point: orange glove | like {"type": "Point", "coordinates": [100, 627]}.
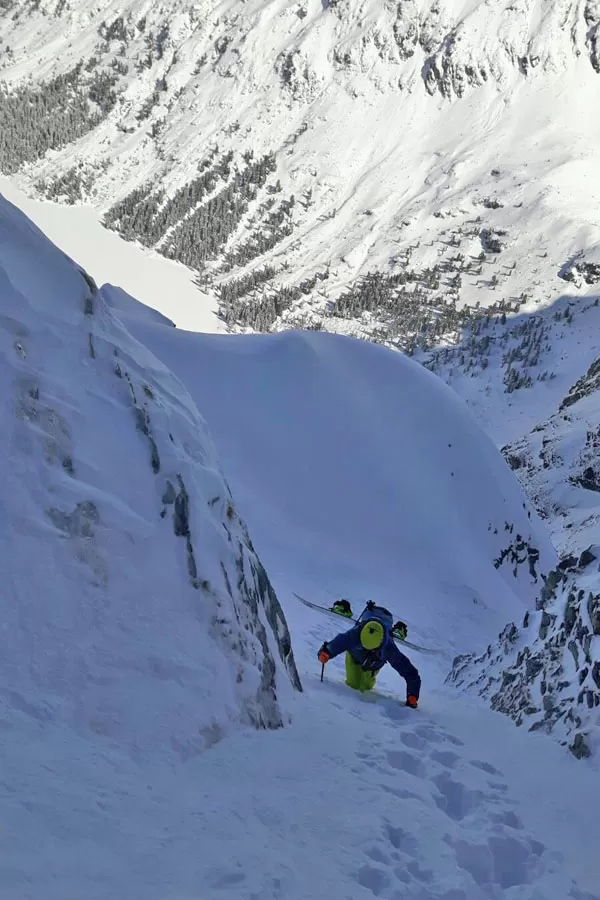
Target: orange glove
{"type": "Point", "coordinates": [323, 656]}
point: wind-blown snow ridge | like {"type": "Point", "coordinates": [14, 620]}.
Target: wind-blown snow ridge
{"type": "Point", "coordinates": [361, 473]}
{"type": "Point", "coordinates": [136, 610]}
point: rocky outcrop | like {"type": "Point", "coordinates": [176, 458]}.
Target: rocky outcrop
{"type": "Point", "coordinates": [139, 609]}
{"type": "Point", "coordinates": [586, 385]}
{"type": "Point", "coordinates": [545, 674]}
{"type": "Point", "coordinates": [579, 271]}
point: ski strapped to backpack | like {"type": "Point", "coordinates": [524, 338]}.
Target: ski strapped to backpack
{"type": "Point", "coordinates": [398, 629]}
{"type": "Point", "coordinates": [342, 608]}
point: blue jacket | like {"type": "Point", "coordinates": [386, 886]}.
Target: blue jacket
{"type": "Point", "coordinates": [374, 660]}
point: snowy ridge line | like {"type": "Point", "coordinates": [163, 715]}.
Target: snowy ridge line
{"type": "Point", "coordinates": [335, 615]}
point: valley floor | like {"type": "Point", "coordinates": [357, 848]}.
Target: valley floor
{"type": "Point", "coordinates": [158, 282]}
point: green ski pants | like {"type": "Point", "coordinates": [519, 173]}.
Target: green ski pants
{"type": "Point", "coordinates": [357, 678]}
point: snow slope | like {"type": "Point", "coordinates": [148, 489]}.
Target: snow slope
{"type": "Point", "coordinates": [488, 197]}
{"type": "Point", "coordinates": [359, 471]}
{"type": "Point", "coordinates": [110, 665]}
{"type": "Point", "coordinates": [358, 798]}
{"type": "Point", "coordinates": [129, 584]}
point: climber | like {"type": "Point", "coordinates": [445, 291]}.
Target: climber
{"type": "Point", "coordinates": [369, 645]}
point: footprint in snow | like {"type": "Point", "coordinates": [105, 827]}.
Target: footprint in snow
{"type": "Point", "coordinates": [397, 852]}
{"type": "Point", "coordinates": [445, 758]}
{"type": "Point", "coordinates": [454, 798]}
{"type": "Point", "coordinates": [419, 874]}
{"type": "Point", "coordinates": [227, 879]}
{"type": "Point", "coordinates": [377, 855]}
{"type": "Point", "coordinates": [403, 761]}
{"type": "Point", "coordinates": [397, 712]}
{"type": "Point", "coordinates": [400, 793]}
{"type": "Point", "coordinates": [400, 839]}
{"type": "Point", "coordinates": [412, 740]}
{"type": "Point", "coordinates": [485, 767]}
{"type": "Point", "coordinates": [501, 860]}
{"type": "Point", "coordinates": [508, 818]}
{"type": "Point", "coordinates": [498, 786]}
{"type": "Point", "coordinates": [374, 879]}
{"type": "Point", "coordinates": [432, 736]}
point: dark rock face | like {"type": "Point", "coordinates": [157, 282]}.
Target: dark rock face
{"type": "Point", "coordinates": [587, 480]}
{"type": "Point", "coordinates": [593, 607]}
{"type": "Point", "coordinates": [518, 553]}
{"type": "Point", "coordinates": [587, 384]}
{"type": "Point", "coordinates": [251, 593]}
{"type": "Point", "coordinates": [545, 625]}
{"type": "Point", "coordinates": [528, 674]}
{"type": "Point", "coordinates": [578, 271]}
{"type": "Point", "coordinates": [79, 523]}
{"type": "Point", "coordinates": [586, 558]}
{"type": "Point", "coordinates": [181, 511]}
{"type": "Point", "coordinates": [169, 494]}
{"type": "Point", "coordinates": [579, 747]}
{"type": "Point", "coordinates": [492, 240]}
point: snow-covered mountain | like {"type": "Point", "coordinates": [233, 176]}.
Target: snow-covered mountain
{"type": "Point", "coordinates": [130, 587]}
{"type": "Point", "coordinates": [417, 173]}
{"type": "Point", "coordinates": [285, 151]}
{"type": "Point", "coordinates": [139, 626]}
{"type": "Point", "coordinates": [545, 672]}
